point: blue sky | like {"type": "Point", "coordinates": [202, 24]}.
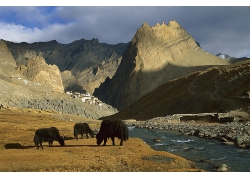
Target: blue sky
{"type": "Point", "coordinates": [218, 29]}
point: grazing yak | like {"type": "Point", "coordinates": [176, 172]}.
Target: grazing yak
{"type": "Point", "coordinates": [48, 135]}
{"type": "Point", "coordinates": [82, 128]}
{"type": "Point", "coordinates": [112, 129]}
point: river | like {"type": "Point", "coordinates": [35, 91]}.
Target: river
{"type": "Point", "coordinates": [207, 154]}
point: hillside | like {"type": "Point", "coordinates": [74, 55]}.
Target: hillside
{"type": "Point", "coordinates": [89, 61]}
{"type": "Point", "coordinates": [162, 71]}
{"type": "Point", "coordinates": [217, 89]}
{"type": "Point", "coordinates": [154, 56]}
{"type": "Point", "coordinates": [37, 70]}
{"type": "Point", "coordinates": [38, 85]}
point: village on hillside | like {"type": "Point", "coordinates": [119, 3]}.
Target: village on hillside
{"type": "Point", "coordinates": [86, 98]}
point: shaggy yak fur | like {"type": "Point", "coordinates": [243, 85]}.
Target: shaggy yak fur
{"type": "Point", "coordinates": [112, 129]}
{"type": "Point", "coordinates": [48, 135]}
{"type": "Point", "coordinates": [82, 128]}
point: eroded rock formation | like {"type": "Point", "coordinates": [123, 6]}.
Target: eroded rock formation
{"type": "Point", "coordinates": [155, 55]}
{"type": "Point", "coordinates": [89, 61]}
{"type": "Point", "coordinates": [38, 71]}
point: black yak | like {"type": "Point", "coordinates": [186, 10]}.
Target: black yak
{"type": "Point", "coordinates": [112, 129]}
{"type": "Point", "coordinates": [82, 128]}
{"type": "Point", "coordinates": [48, 135]}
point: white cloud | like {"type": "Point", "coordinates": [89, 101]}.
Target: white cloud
{"type": "Point", "coordinates": [18, 33]}
{"type": "Point", "coordinates": [217, 29]}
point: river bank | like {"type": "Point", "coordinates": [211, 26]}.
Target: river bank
{"type": "Point", "coordinates": [228, 133]}
{"type": "Point", "coordinates": [19, 154]}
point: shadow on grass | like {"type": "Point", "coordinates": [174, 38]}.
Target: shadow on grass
{"type": "Point", "coordinates": [89, 145]}
{"type": "Point", "coordinates": [68, 138]}
{"type": "Point", "coordinates": [17, 146]}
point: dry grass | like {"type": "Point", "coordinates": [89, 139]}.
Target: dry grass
{"type": "Point", "coordinates": [18, 153]}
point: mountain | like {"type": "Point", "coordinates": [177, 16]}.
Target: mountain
{"type": "Point", "coordinates": [37, 70]}
{"type": "Point", "coordinates": [89, 61]}
{"type": "Point", "coordinates": [155, 56]}
{"type": "Point", "coordinates": [224, 56]}
{"type": "Point", "coordinates": [8, 63]}
{"type": "Point", "coordinates": [214, 90]}
{"type": "Point", "coordinates": [162, 71]}
{"type": "Point", "coordinates": [39, 85]}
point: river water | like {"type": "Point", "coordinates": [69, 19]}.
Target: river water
{"type": "Point", "coordinates": [207, 154]}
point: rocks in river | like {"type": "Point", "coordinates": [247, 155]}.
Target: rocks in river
{"type": "Point", "coordinates": [224, 168]}
{"type": "Point", "coordinates": [189, 132]}
{"type": "Point", "coordinates": [242, 141]}
{"type": "Point", "coordinates": [157, 140]}
{"type": "Point", "coordinates": [230, 133]}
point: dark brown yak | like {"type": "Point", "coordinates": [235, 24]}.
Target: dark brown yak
{"type": "Point", "coordinates": [112, 129]}
{"type": "Point", "coordinates": [82, 128]}
{"type": "Point", "coordinates": [48, 135]}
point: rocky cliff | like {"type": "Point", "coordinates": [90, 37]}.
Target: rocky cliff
{"type": "Point", "coordinates": [7, 61]}
{"type": "Point", "coordinates": [154, 56]}
{"type": "Point", "coordinates": [38, 85]}
{"type": "Point", "coordinates": [8, 74]}
{"type": "Point", "coordinates": [38, 71]}
{"type": "Point", "coordinates": [89, 61]}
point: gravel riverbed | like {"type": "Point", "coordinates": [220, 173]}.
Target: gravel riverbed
{"type": "Point", "coordinates": [229, 133]}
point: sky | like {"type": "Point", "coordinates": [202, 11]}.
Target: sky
{"type": "Point", "coordinates": [218, 28]}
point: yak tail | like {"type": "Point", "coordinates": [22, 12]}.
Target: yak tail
{"type": "Point", "coordinates": [36, 139]}
{"type": "Point", "coordinates": [124, 132]}
{"type": "Point", "coordinates": [75, 132]}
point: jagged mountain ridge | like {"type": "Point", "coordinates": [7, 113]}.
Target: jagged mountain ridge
{"type": "Point", "coordinates": [150, 60]}
{"type": "Point", "coordinates": [39, 85]}
{"type": "Point", "coordinates": [214, 90]}
{"type": "Point", "coordinates": [89, 61]}
{"type": "Point", "coordinates": [154, 56]}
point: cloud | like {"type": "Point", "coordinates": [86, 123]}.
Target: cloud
{"type": "Point", "coordinates": [19, 33]}
{"type": "Point", "coordinates": [217, 29]}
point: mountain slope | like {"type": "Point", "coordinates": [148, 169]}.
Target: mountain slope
{"type": "Point", "coordinates": [39, 85]}
{"type": "Point", "coordinates": [37, 70]}
{"type": "Point", "coordinates": [155, 55]}
{"type": "Point", "coordinates": [88, 60]}
{"type": "Point", "coordinates": [216, 89]}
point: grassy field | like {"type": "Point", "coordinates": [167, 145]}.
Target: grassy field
{"type": "Point", "coordinates": [19, 154]}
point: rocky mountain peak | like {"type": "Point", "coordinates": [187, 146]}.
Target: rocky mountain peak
{"type": "Point", "coordinates": [7, 62]}
{"type": "Point", "coordinates": [38, 71]}
{"type": "Point", "coordinates": [155, 55]}
{"type": "Point", "coordinates": [5, 55]}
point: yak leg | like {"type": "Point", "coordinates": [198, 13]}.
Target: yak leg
{"type": "Point", "coordinates": [37, 145]}
{"type": "Point", "coordinates": [113, 140]}
{"type": "Point", "coordinates": [121, 142]}
{"type": "Point", "coordinates": [50, 143]}
{"type": "Point", "coordinates": [41, 145]}
{"type": "Point", "coordinates": [76, 135]}
{"type": "Point", "coordinates": [105, 141]}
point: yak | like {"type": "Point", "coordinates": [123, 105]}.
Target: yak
{"type": "Point", "coordinates": [48, 135]}
{"type": "Point", "coordinates": [82, 128]}
{"type": "Point", "coordinates": [112, 129]}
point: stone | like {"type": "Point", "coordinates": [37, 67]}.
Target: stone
{"type": "Point", "coordinates": [223, 168]}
